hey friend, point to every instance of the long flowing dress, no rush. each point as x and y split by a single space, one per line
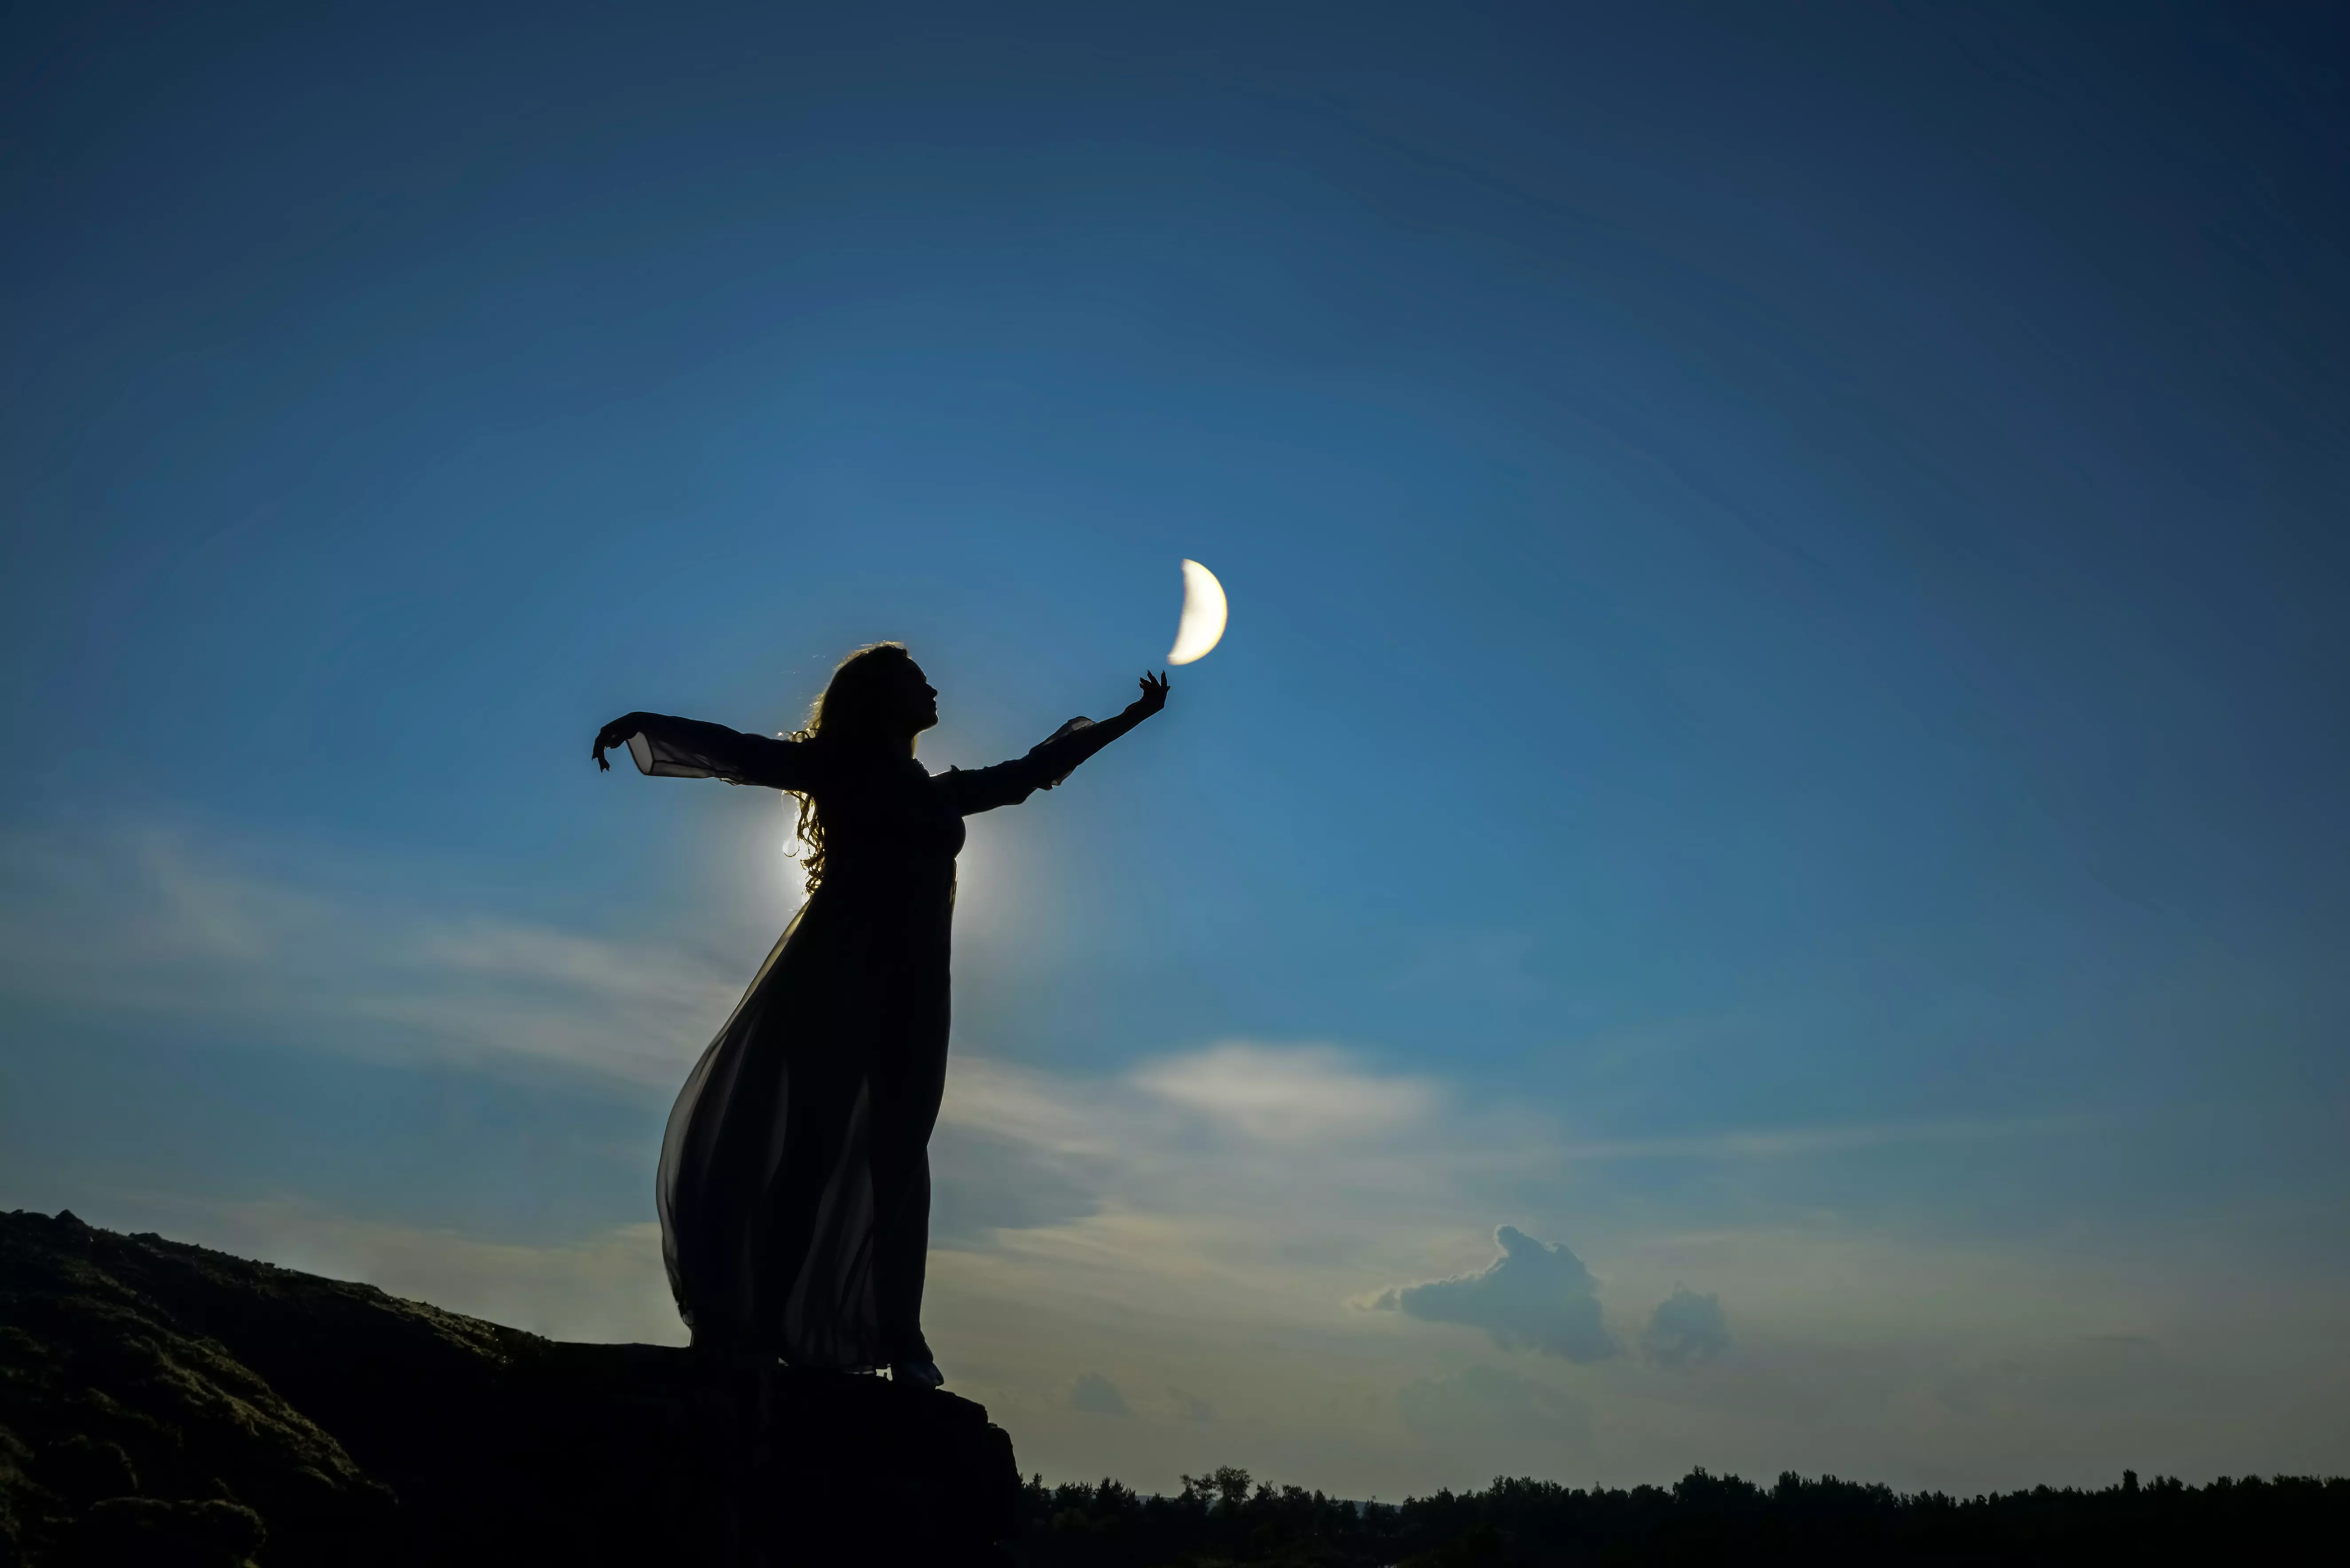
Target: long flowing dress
794 1187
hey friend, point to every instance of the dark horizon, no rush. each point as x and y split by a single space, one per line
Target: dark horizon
298 1420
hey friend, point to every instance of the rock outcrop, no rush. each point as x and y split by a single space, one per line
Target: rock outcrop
162 1403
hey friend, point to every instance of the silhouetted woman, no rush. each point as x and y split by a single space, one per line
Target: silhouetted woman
795 1186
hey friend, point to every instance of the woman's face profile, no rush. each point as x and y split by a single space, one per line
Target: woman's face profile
917 700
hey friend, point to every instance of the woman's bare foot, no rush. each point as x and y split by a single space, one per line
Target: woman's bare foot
921 1374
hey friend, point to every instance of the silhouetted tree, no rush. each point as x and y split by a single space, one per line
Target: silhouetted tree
1225 1519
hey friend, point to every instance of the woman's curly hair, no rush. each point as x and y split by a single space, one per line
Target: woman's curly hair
850 714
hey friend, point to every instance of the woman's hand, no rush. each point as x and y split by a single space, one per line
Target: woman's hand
1154 694
616 733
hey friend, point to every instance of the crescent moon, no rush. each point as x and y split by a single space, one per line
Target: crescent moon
1203 615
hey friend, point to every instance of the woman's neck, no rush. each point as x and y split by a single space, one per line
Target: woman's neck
879 748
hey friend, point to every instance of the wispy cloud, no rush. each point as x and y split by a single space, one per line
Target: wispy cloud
638 1010
1686 1329
1298 1094
1795 1142
141 917
1191 1406
1096 1395
604 1288
1477 1400
1241 1171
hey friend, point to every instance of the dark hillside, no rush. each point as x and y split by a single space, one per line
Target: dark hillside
161 1403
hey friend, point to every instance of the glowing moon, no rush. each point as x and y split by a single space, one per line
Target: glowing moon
1203 615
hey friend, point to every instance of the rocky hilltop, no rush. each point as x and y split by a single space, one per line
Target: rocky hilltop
161 1403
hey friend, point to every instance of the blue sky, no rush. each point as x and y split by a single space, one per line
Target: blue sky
1781 728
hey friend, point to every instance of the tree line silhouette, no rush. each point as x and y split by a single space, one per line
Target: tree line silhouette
1228 1518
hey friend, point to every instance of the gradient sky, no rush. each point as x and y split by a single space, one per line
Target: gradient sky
1782 728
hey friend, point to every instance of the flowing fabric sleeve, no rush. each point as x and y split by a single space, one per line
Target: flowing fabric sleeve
669 748
1009 783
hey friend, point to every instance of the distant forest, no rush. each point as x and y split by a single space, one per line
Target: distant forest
1227 1518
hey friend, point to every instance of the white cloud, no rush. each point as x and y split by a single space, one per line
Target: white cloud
1533 1296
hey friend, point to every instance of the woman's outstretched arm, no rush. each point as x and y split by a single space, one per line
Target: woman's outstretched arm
1046 765
667 747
